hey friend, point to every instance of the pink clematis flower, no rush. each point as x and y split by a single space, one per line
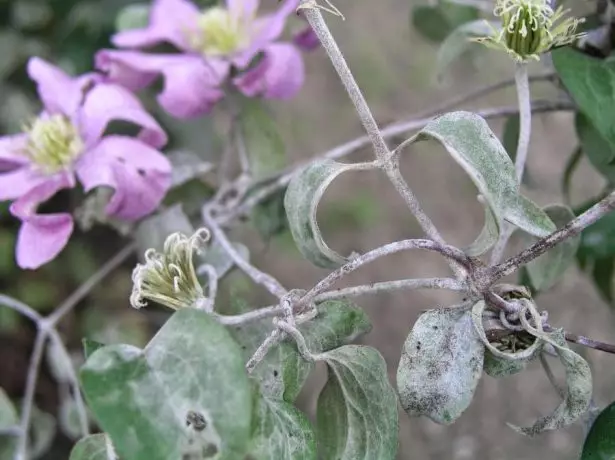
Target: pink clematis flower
216 44
66 143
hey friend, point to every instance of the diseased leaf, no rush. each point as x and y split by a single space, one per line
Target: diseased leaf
600 441
458 43
153 231
217 257
500 363
301 203
186 390
90 346
472 144
441 364
280 431
283 372
356 416
590 82
93 447
547 269
579 388
263 143
8 419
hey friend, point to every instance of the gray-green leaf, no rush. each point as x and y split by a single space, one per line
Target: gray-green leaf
547 269
187 165
590 82
8 419
262 141
472 144
153 231
93 447
280 431
133 16
356 416
441 364
301 203
457 43
147 400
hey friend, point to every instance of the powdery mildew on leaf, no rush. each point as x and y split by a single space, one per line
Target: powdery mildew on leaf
441 364
143 398
469 140
301 203
92 447
356 416
280 431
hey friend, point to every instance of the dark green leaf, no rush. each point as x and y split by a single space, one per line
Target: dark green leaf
571 166
598 240
437 22
602 274
598 150
547 269
590 82
269 216
600 441
263 143
93 447
149 401
301 203
356 416
441 364
280 431
90 346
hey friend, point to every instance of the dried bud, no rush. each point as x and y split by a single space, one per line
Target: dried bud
530 28
169 277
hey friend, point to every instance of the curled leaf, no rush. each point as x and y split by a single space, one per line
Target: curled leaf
472 144
440 365
301 203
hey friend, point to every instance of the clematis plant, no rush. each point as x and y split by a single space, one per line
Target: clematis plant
217 46
67 142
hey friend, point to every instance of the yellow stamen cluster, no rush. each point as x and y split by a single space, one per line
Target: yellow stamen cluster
219 33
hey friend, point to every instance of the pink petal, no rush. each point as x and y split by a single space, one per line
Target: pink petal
306 39
19 181
265 30
192 86
279 75
242 8
59 92
169 21
107 102
139 174
41 236
11 151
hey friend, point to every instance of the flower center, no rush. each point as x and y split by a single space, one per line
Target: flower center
524 22
219 33
53 143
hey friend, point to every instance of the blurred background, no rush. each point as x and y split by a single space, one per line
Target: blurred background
395 65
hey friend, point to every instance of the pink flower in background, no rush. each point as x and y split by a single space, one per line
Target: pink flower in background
216 44
67 142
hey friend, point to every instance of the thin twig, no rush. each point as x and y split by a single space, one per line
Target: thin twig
385 286
82 291
20 308
260 353
572 228
254 315
21 451
259 277
586 341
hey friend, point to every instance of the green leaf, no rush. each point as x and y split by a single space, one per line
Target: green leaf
578 393
147 400
283 372
93 447
437 22
280 431
547 269
602 275
591 83
356 415
68 417
301 203
135 16
571 166
217 257
600 441
598 240
597 149
441 364
269 216
154 230
472 144
457 43
510 138
8 419
262 140
90 346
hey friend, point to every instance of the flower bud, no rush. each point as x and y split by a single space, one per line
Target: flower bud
169 278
